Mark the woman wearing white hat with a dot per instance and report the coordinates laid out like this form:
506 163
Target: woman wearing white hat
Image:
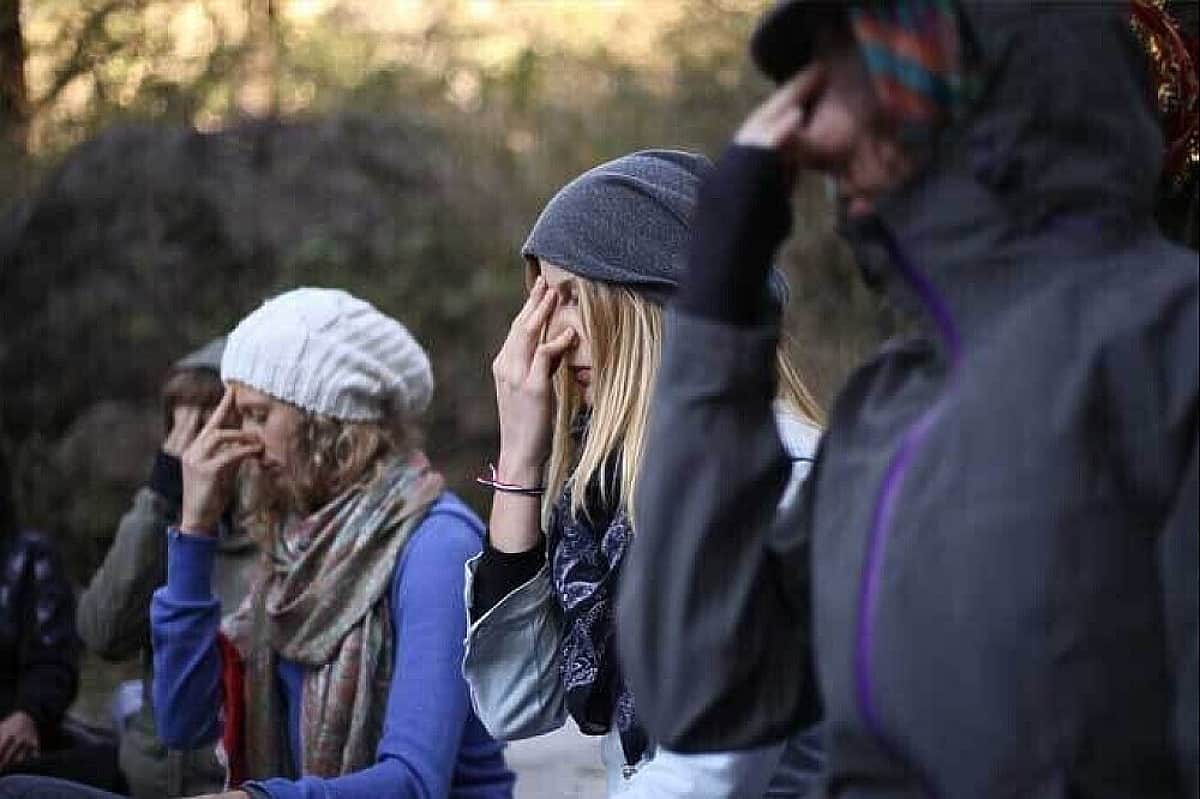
340 673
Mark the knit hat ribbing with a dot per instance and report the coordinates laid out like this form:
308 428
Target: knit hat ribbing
331 353
625 222
628 222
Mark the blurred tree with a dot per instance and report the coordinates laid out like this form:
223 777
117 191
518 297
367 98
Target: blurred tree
14 93
200 154
8 516
258 89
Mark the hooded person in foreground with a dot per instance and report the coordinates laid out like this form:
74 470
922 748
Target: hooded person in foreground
989 587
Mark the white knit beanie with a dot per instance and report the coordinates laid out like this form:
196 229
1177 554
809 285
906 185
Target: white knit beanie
330 353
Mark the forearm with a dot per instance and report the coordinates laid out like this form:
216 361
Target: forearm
387 779
513 661
498 574
742 217
702 584
515 548
185 620
514 525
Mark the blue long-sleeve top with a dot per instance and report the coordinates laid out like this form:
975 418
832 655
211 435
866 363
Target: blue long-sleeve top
432 743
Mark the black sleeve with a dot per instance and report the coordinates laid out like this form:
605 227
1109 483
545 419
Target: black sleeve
49 668
714 606
1178 555
500 573
742 217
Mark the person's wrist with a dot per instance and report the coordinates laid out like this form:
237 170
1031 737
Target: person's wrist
519 470
198 526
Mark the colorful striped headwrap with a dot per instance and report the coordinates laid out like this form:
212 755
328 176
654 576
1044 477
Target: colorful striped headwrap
919 58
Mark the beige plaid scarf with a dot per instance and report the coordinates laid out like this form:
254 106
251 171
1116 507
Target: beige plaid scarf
321 601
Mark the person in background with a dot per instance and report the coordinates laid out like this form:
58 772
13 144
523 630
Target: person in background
39 652
352 638
573 387
113 617
994 564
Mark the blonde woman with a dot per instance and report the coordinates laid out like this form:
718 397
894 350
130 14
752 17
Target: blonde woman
574 382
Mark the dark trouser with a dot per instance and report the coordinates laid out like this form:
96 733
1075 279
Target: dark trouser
88 764
21 786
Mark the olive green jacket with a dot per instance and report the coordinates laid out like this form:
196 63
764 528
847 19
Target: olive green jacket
114 621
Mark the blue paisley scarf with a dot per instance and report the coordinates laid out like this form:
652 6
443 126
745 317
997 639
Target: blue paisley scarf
585 556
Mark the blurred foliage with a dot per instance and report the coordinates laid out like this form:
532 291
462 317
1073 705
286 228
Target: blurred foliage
186 158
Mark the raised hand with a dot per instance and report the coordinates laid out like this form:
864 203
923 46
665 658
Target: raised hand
185 426
18 739
780 120
210 464
524 395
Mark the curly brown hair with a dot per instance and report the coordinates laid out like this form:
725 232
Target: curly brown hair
331 456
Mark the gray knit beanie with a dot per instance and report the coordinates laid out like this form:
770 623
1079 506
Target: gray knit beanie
625 222
328 352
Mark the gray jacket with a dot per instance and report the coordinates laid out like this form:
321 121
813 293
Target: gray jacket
994 566
113 618
512 666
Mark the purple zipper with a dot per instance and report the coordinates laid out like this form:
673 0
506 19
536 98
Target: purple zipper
885 508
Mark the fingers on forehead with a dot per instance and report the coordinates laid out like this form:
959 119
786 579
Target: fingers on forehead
222 410
546 306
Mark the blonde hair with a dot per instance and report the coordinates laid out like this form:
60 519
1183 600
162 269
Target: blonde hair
626 333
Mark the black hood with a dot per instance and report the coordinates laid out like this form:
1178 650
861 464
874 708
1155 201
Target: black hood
1063 132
